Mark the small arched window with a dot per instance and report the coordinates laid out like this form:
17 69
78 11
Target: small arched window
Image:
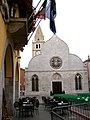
35 85
78 82
36 46
39 45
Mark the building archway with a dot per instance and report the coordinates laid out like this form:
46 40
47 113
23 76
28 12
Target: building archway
8 80
56 83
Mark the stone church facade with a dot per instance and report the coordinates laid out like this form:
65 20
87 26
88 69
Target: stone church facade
54 69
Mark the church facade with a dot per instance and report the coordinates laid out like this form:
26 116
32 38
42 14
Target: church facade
54 69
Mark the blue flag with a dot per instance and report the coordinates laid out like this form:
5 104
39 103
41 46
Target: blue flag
52 16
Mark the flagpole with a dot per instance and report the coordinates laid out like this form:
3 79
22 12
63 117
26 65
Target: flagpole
33 12
36 20
34 30
34 9
31 24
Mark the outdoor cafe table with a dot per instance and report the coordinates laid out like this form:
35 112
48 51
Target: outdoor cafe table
60 108
27 108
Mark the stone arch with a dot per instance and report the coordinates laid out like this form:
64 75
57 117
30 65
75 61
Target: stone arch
8 79
56 76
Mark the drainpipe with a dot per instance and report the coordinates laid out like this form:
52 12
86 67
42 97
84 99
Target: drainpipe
88 70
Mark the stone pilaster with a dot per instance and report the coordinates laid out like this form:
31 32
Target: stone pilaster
1 87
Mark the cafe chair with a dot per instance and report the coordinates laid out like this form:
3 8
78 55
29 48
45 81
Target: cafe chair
37 106
16 106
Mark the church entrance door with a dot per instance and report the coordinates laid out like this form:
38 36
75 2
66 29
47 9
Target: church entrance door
57 87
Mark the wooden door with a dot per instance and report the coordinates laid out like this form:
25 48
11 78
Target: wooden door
57 87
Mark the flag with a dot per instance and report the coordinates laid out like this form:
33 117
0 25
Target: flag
41 13
51 14
48 11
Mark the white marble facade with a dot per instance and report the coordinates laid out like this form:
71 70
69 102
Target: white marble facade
55 69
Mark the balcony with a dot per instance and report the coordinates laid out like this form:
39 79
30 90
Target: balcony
18 25
18 28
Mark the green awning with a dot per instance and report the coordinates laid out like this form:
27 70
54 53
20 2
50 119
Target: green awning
73 98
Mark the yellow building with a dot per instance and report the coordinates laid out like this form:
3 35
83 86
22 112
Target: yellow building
14 22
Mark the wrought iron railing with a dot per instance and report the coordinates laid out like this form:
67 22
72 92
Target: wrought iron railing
71 112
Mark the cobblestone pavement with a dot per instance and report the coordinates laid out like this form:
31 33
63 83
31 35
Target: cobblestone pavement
41 114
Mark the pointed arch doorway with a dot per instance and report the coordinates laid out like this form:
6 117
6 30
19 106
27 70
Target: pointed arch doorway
56 83
57 87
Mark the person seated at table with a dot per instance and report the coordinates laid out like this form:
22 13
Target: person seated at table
37 106
37 103
20 102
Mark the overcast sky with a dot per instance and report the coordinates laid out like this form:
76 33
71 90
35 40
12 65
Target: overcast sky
72 25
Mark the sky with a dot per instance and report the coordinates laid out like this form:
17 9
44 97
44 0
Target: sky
72 26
